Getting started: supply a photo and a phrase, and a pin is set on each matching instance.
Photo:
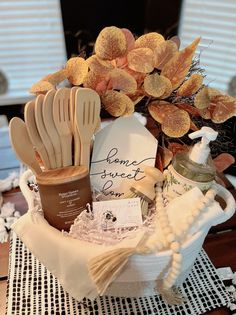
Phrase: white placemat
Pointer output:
(33, 290)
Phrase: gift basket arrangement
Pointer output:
(117, 210)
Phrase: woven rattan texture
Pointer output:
(33, 290)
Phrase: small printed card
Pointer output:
(119, 213)
(120, 153)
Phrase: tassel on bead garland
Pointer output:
(104, 268)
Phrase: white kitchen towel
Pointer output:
(66, 258)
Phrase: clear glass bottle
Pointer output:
(189, 169)
(197, 164)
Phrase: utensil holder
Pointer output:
(64, 194)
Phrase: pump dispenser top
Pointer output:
(200, 151)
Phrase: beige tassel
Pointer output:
(104, 268)
(171, 296)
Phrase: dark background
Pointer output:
(83, 20)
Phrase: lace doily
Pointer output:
(33, 290)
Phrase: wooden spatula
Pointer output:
(42, 130)
(88, 107)
(77, 144)
(47, 110)
(34, 134)
(22, 145)
(63, 122)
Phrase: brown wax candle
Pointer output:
(64, 194)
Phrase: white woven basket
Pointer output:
(139, 274)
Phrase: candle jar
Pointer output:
(64, 194)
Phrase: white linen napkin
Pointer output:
(66, 258)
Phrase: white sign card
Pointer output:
(120, 153)
(122, 213)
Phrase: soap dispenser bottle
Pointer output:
(193, 168)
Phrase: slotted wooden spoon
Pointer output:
(63, 122)
(88, 107)
(22, 145)
(34, 134)
(42, 130)
(47, 110)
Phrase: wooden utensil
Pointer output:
(77, 144)
(34, 134)
(63, 122)
(88, 107)
(42, 130)
(47, 110)
(22, 145)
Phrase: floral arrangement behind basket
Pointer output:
(151, 75)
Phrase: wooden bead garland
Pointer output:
(173, 240)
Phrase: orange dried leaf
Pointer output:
(56, 77)
(121, 80)
(150, 40)
(176, 147)
(203, 97)
(205, 113)
(224, 108)
(160, 109)
(176, 124)
(155, 85)
(191, 86)
(166, 155)
(41, 87)
(130, 40)
(164, 52)
(176, 40)
(115, 103)
(137, 99)
(188, 108)
(178, 66)
(129, 109)
(141, 60)
(168, 89)
(77, 69)
(98, 65)
(139, 76)
(193, 126)
(121, 62)
(223, 161)
(111, 43)
(92, 80)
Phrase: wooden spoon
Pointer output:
(22, 145)
(63, 122)
(42, 130)
(50, 125)
(88, 107)
(34, 134)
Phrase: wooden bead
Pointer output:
(175, 246)
(167, 230)
(170, 237)
(190, 220)
(177, 257)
